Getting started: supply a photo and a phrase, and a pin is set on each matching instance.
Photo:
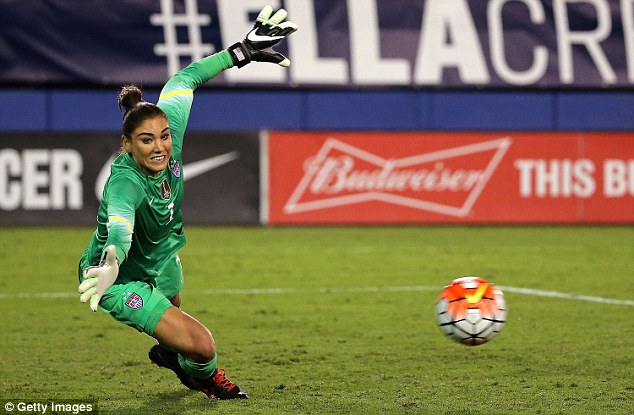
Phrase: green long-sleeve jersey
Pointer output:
(141, 215)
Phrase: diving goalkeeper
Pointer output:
(131, 268)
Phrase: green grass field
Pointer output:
(339, 321)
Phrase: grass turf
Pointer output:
(337, 320)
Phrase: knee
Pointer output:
(203, 348)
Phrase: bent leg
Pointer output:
(183, 333)
(193, 342)
(193, 359)
(197, 353)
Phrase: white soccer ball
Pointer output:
(471, 310)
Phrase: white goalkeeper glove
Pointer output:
(99, 278)
(267, 32)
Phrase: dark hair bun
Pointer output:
(129, 96)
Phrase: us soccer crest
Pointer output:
(134, 301)
(176, 168)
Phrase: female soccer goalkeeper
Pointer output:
(130, 267)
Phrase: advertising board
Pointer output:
(450, 177)
(57, 179)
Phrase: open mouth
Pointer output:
(157, 159)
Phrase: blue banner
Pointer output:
(343, 44)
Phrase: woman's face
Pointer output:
(150, 145)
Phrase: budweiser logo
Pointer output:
(448, 181)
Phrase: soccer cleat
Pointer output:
(219, 387)
(164, 357)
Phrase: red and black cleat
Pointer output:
(219, 387)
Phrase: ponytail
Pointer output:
(135, 110)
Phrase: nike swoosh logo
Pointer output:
(190, 170)
(474, 298)
(197, 168)
(254, 37)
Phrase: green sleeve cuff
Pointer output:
(120, 255)
(212, 65)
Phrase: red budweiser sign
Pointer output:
(446, 177)
(440, 181)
